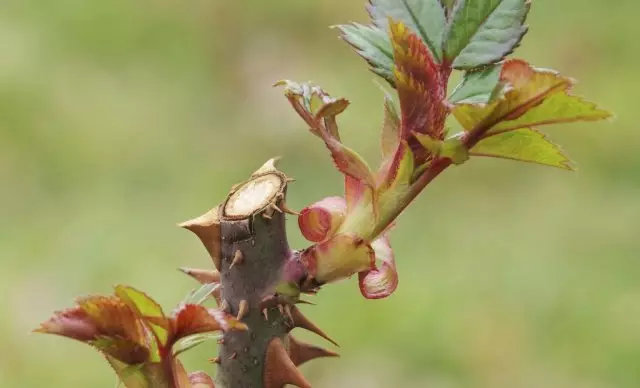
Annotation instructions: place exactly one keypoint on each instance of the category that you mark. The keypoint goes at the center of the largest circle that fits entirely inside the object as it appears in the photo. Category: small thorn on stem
(290, 180)
(287, 311)
(233, 356)
(288, 210)
(220, 341)
(238, 258)
(276, 208)
(265, 313)
(243, 309)
(215, 360)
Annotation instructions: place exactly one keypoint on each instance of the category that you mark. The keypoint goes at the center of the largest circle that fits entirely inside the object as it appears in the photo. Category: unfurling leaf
(372, 44)
(390, 129)
(420, 89)
(478, 86)
(524, 144)
(145, 307)
(425, 18)
(382, 281)
(319, 221)
(401, 167)
(341, 256)
(481, 32)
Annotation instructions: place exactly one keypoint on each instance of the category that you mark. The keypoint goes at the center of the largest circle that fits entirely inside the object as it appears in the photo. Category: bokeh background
(120, 118)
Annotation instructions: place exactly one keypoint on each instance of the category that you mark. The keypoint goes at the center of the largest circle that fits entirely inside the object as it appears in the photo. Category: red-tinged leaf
(200, 380)
(350, 163)
(338, 258)
(227, 322)
(527, 89)
(526, 145)
(390, 129)
(114, 318)
(193, 319)
(319, 221)
(418, 81)
(145, 307)
(73, 323)
(121, 349)
(382, 281)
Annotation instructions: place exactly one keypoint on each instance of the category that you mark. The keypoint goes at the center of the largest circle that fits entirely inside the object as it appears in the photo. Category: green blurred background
(120, 118)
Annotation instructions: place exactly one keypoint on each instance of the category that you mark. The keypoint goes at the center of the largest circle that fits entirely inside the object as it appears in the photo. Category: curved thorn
(288, 210)
(301, 352)
(299, 320)
(238, 258)
(279, 370)
(243, 309)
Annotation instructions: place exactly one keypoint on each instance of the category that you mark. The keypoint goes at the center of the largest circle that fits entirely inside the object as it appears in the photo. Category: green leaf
(201, 294)
(192, 341)
(132, 376)
(526, 145)
(478, 86)
(533, 97)
(372, 44)
(557, 108)
(481, 32)
(423, 17)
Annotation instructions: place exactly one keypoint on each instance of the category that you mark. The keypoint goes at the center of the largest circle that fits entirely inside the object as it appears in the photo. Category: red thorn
(220, 341)
(279, 370)
(243, 309)
(301, 352)
(203, 276)
(299, 320)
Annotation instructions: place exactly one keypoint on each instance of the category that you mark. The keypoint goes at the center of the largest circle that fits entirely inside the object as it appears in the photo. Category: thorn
(279, 370)
(276, 208)
(207, 228)
(281, 308)
(299, 320)
(238, 258)
(290, 180)
(265, 313)
(287, 311)
(288, 210)
(215, 360)
(266, 215)
(220, 341)
(301, 352)
(233, 356)
(225, 306)
(243, 309)
(203, 276)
